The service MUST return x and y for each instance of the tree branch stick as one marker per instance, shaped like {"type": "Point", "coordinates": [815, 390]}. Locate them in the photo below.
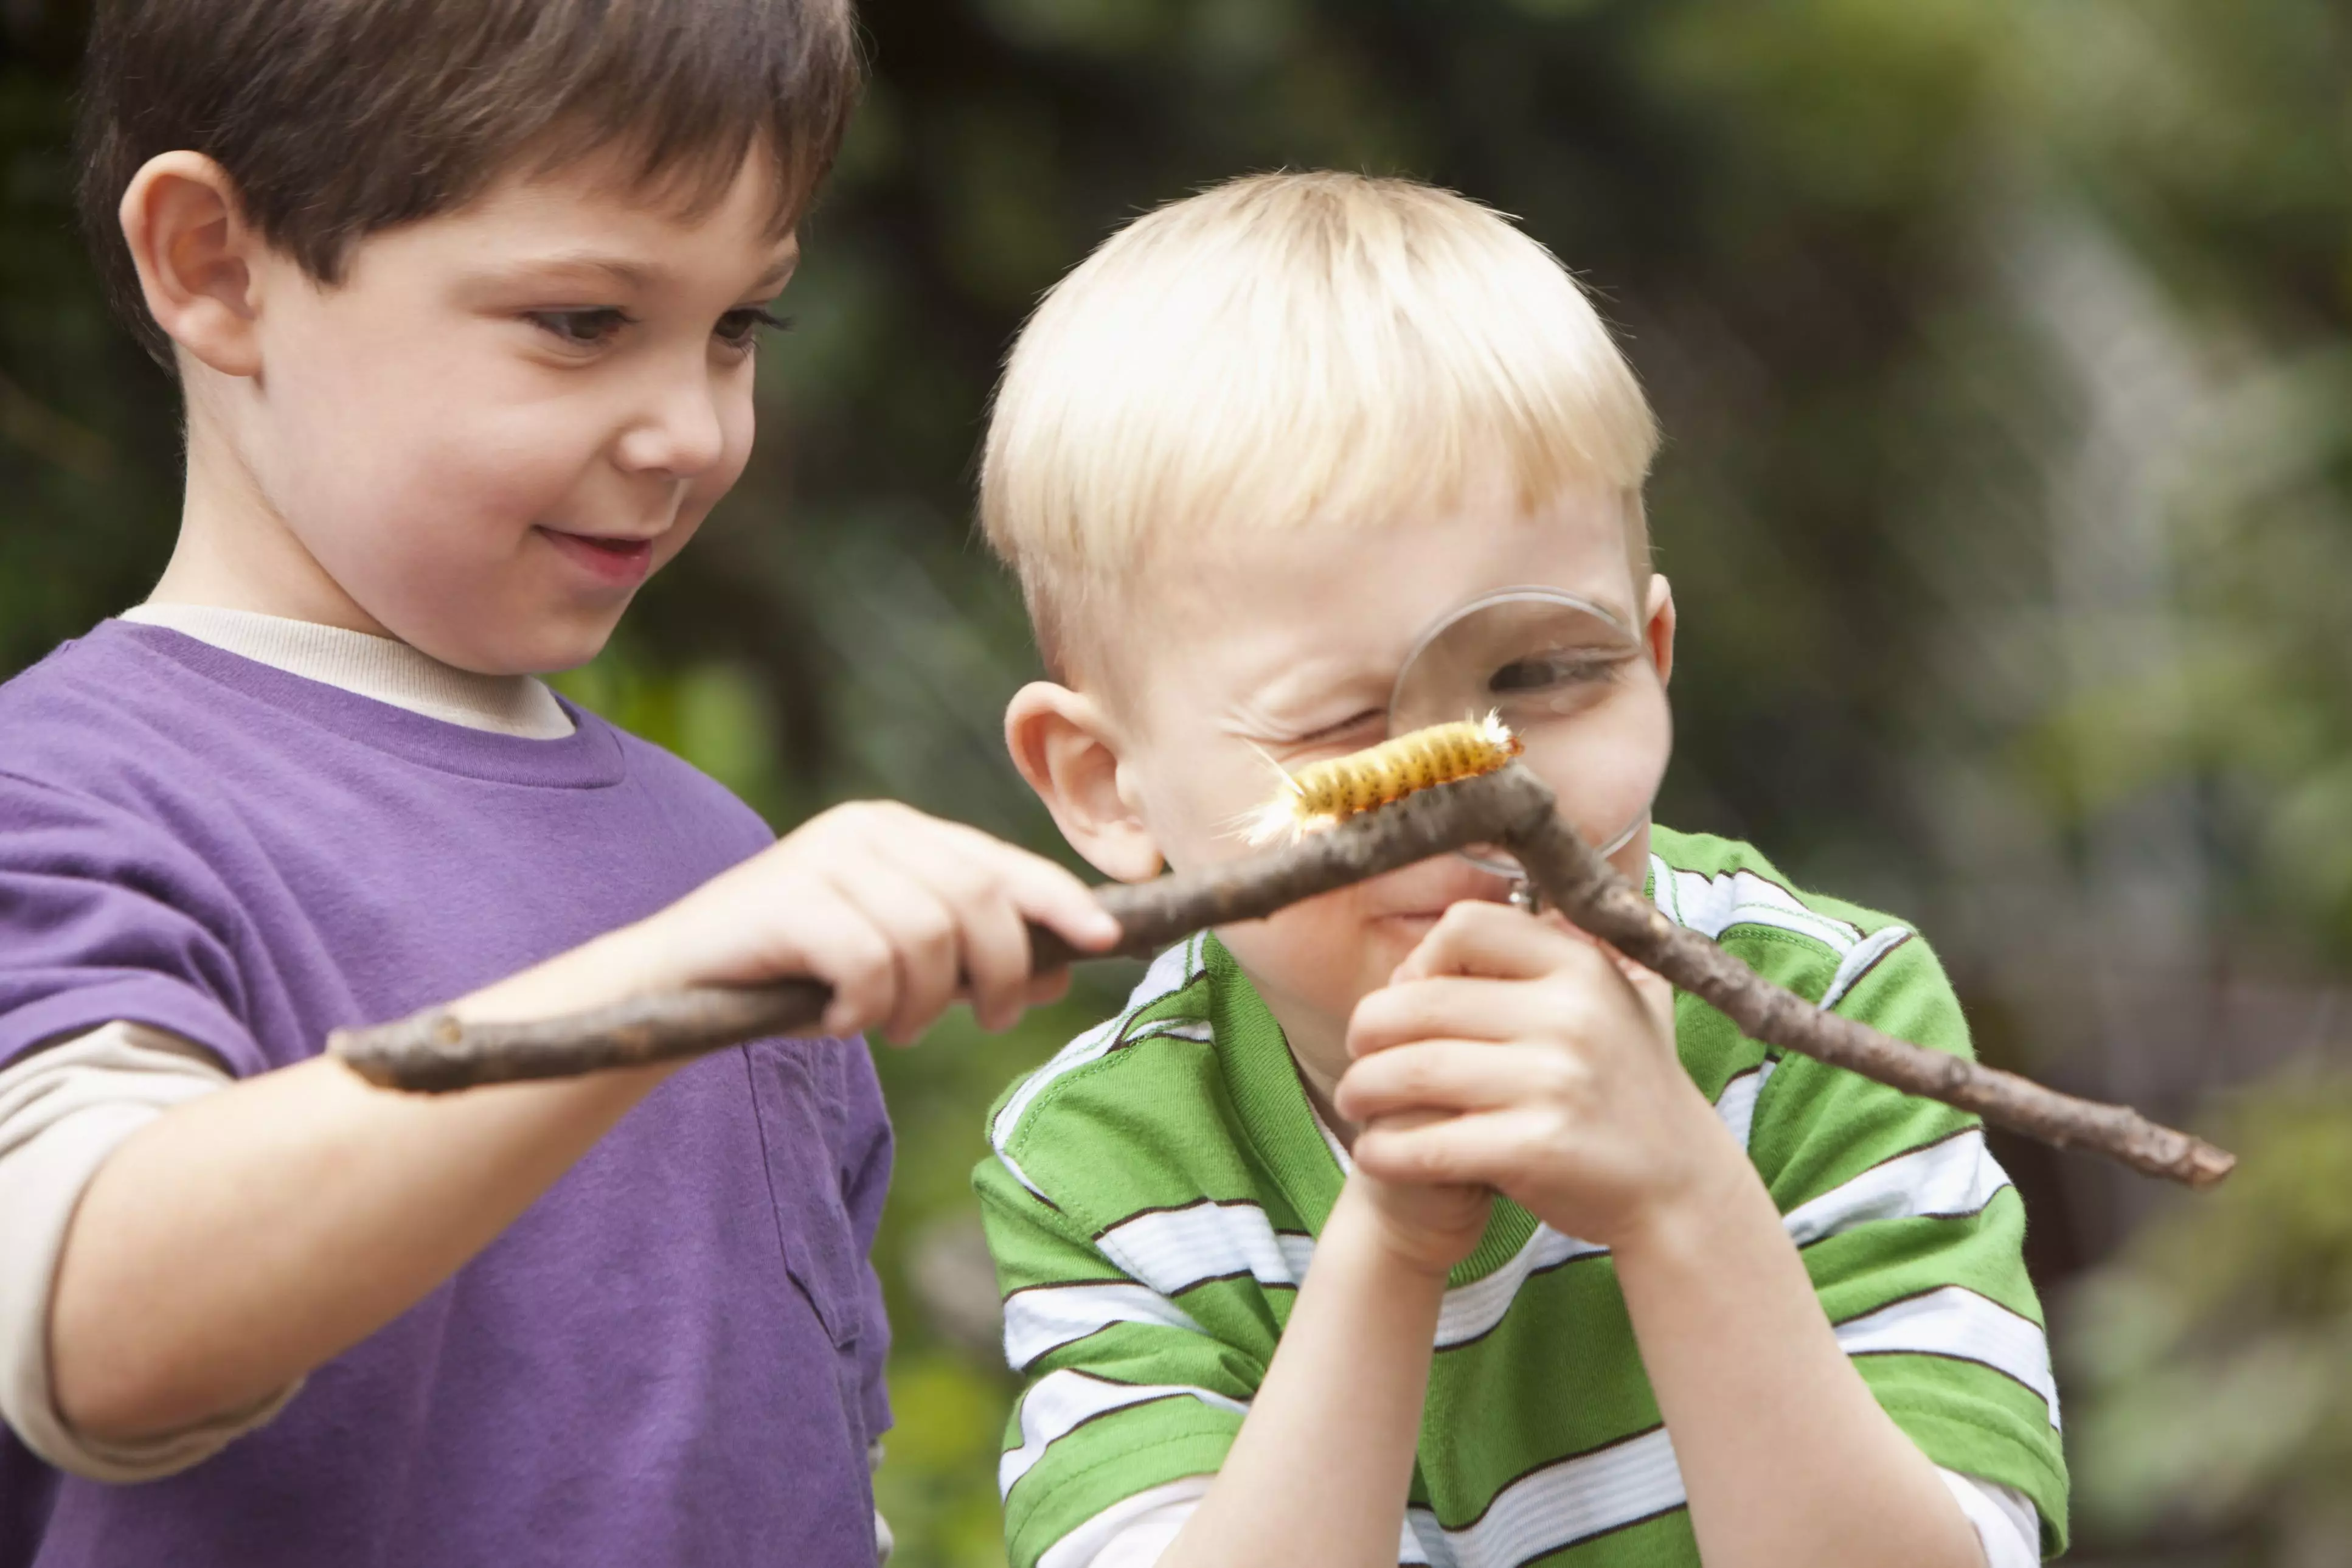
{"type": "Point", "coordinates": [1592, 894]}
{"type": "Point", "coordinates": [433, 1051]}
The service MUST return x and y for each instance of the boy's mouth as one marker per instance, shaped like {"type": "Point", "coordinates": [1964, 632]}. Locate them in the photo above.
{"type": "Point", "coordinates": [611, 559]}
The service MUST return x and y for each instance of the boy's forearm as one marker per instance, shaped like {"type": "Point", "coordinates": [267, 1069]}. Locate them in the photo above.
{"type": "Point", "coordinates": [1323, 1463]}
{"type": "Point", "coordinates": [1788, 1459]}
{"type": "Point", "coordinates": [287, 1217]}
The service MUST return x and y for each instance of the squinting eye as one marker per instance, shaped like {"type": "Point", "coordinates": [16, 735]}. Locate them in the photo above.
{"type": "Point", "coordinates": [1348, 728]}
{"type": "Point", "coordinates": [740, 328]}
{"type": "Point", "coordinates": [580, 329]}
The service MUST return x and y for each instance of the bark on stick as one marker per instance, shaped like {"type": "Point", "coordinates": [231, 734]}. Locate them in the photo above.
{"type": "Point", "coordinates": [433, 1051]}
{"type": "Point", "coordinates": [1598, 899]}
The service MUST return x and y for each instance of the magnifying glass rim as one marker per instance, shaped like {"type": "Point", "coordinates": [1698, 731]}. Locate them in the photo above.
{"type": "Point", "coordinates": [1519, 593]}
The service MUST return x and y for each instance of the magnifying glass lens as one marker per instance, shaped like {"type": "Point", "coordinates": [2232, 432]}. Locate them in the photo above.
{"type": "Point", "coordinates": [1571, 681]}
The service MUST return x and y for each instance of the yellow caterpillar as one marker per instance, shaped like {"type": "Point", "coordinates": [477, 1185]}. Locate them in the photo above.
{"type": "Point", "coordinates": [1322, 793]}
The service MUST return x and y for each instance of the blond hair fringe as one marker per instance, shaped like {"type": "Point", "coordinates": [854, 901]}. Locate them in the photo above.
{"type": "Point", "coordinates": [1287, 350]}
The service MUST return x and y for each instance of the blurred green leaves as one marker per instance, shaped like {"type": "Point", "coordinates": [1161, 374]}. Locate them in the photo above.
{"type": "Point", "coordinates": [1109, 28]}
{"type": "Point", "coordinates": [1866, 106]}
{"type": "Point", "coordinates": [89, 453]}
{"type": "Point", "coordinates": [2213, 1359]}
{"type": "Point", "coordinates": [938, 1486]}
{"type": "Point", "coordinates": [713, 714]}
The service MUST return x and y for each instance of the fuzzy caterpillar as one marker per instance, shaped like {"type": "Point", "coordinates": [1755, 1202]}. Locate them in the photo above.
{"type": "Point", "coordinates": [1322, 793]}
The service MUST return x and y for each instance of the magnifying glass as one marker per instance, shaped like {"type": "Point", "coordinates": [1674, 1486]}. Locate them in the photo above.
{"type": "Point", "coordinates": [1572, 681]}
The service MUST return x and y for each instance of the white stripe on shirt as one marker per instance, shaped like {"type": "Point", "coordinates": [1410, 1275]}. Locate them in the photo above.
{"type": "Point", "coordinates": [1060, 1402]}
{"type": "Point", "coordinates": [1044, 1317]}
{"type": "Point", "coordinates": [1172, 1251]}
{"type": "Point", "coordinates": [1953, 1321]}
{"type": "Point", "coordinates": [1135, 1532]}
{"type": "Point", "coordinates": [1712, 905]}
{"type": "Point", "coordinates": [1954, 1176]}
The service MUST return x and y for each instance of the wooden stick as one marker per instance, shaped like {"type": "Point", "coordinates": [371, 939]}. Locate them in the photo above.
{"type": "Point", "coordinates": [433, 1051]}
{"type": "Point", "coordinates": [1593, 895]}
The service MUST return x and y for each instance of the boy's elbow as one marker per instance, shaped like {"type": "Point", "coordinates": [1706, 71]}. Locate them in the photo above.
{"type": "Point", "coordinates": [126, 1382]}
{"type": "Point", "coordinates": [125, 1414]}
{"type": "Point", "coordinates": [116, 1395]}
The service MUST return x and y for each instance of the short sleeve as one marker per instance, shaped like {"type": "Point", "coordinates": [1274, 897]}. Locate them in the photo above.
{"type": "Point", "coordinates": [1914, 1237]}
{"type": "Point", "coordinates": [104, 916]}
{"type": "Point", "coordinates": [1123, 1389]}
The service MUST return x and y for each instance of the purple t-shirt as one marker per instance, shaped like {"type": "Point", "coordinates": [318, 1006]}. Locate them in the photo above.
{"type": "Point", "coordinates": [676, 1355]}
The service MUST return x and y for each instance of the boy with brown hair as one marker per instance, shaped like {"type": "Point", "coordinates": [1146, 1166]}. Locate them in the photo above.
{"type": "Point", "coordinates": [1404, 1226]}
{"type": "Point", "coordinates": [462, 296]}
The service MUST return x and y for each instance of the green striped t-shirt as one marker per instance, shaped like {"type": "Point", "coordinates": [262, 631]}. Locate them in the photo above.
{"type": "Point", "coordinates": [1153, 1193]}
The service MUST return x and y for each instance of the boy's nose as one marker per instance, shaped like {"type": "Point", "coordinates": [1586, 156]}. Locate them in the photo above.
{"type": "Point", "coordinates": [679, 432]}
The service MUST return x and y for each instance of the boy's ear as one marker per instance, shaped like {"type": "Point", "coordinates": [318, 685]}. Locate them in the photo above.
{"type": "Point", "coordinates": [197, 258]}
{"type": "Point", "coordinates": [1658, 625]}
{"type": "Point", "coordinates": [1066, 746]}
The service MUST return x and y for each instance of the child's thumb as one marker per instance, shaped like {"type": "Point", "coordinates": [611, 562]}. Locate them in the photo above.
{"type": "Point", "coordinates": [1657, 993]}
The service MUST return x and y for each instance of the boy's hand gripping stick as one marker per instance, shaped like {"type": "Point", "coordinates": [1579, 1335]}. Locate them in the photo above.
{"type": "Point", "coordinates": [1509, 808]}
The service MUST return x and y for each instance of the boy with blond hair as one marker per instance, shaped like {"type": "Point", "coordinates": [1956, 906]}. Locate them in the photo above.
{"type": "Point", "coordinates": [462, 299]}
{"type": "Point", "coordinates": [1406, 1225]}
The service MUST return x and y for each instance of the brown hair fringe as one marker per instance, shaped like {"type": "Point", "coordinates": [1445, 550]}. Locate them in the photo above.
{"type": "Point", "coordinates": [337, 119]}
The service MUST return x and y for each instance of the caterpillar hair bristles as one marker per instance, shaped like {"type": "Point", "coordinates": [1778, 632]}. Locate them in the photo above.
{"type": "Point", "coordinates": [1324, 794]}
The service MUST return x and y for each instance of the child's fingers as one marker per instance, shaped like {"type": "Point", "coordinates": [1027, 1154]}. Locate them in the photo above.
{"type": "Point", "coordinates": [1469, 1008]}
{"type": "Point", "coordinates": [992, 938]}
{"type": "Point", "coordinates": [1051, 986]}
{"type": "Point", "coordinates": [1656, 991]}
{"type": "Point", "coordinates": [1406, 1120]}
{"type": "Point", "coordinates": [951, 905]}
{"type": "Point", "coordinates": [1453, 1076]}
{"type": "Point", "coordinates": [996, 963]}
{"type": "Point", "coordinates": [1042, 890]}
{"type": "Point", "coordinates": [923, 936]}
{"type": "Point", "coordinates": [1485, 1148]}
{"type": "Point", "coordinates": [1475, 937]}
{"type": "Point", "coordinates": [843, 948]}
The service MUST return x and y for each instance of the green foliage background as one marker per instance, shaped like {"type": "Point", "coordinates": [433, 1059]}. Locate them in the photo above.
{"type": "Point", "coordinates": [2005, 351]}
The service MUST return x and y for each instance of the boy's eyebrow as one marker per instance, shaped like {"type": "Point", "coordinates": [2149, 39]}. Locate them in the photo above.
{"type": "Point", "coordinates": [627, 272]}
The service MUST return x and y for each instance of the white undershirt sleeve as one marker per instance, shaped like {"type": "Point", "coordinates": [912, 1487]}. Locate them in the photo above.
{"type": "Point", "coordinates": [63, 1110]}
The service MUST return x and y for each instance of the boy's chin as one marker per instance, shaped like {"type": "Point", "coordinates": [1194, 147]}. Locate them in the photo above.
{"type": "Point", "coordinates": [527, 645]}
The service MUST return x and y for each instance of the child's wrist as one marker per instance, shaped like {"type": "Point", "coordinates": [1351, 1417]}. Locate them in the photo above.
{"type": "Point", "coordinates": [1360, 1224]}
{"type": "Point", "coordinates": [1683, 1227]}
{"type": "Point", "coordinates": [637, 960]}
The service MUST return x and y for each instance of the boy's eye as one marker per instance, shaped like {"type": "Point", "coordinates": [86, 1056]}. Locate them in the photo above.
{"type": "Point", "coordinates": [739, 328]}
{"type": "Point", "coordinates": [581, 328]}
{"type": "Point", "coordinates": [1353, 728]}
{"type": "Point", "coordinates": [1554, 670]}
